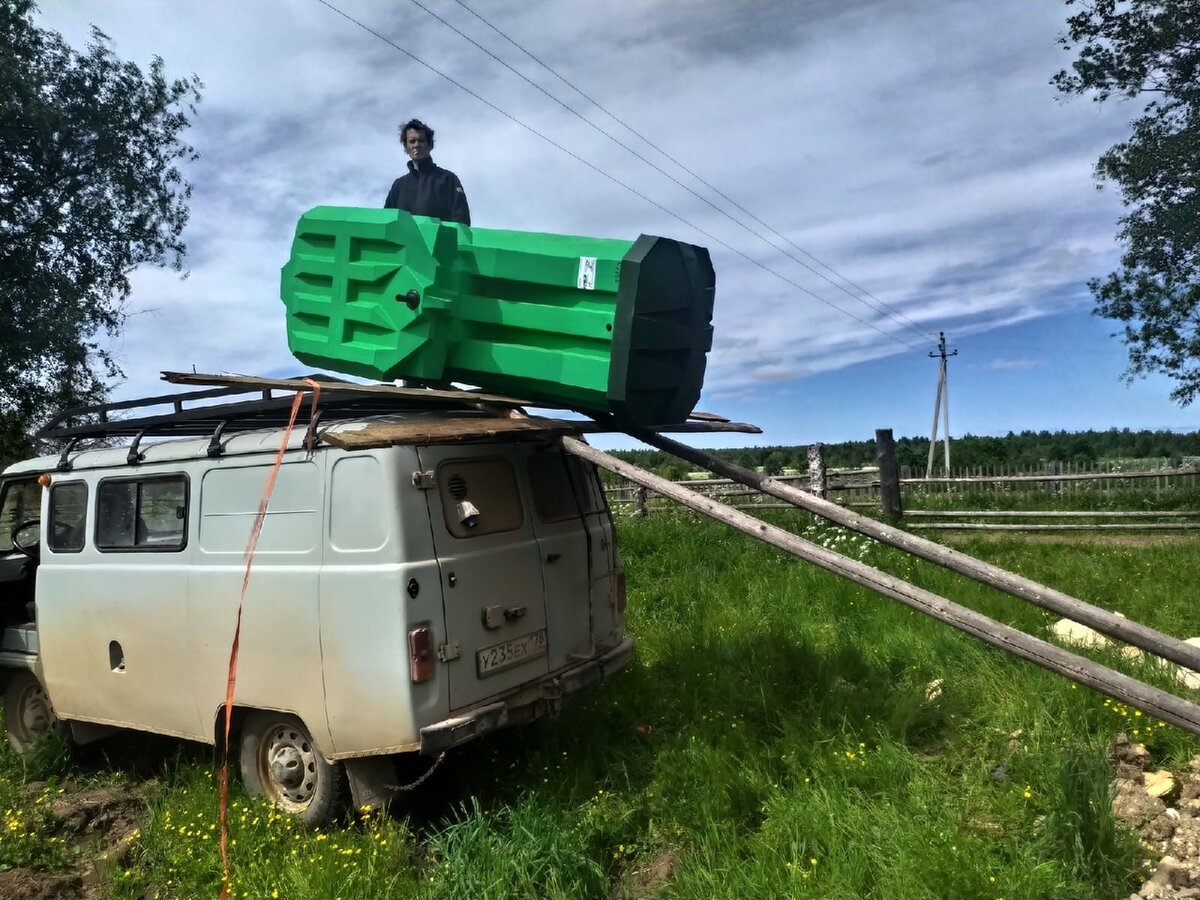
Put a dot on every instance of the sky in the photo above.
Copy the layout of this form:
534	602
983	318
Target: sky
916	169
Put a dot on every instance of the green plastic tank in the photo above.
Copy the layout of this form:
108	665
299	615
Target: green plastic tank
598	325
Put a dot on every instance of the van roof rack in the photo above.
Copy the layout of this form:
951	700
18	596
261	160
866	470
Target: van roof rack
236	406
201	413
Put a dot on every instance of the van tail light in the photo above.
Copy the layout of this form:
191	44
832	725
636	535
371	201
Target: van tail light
420	655
619	588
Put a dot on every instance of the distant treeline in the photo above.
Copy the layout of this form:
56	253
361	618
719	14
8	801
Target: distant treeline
1027	448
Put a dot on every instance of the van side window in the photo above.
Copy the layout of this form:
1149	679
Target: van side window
68	515
142	513
22	500
562	486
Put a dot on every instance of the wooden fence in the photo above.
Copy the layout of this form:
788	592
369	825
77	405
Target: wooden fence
923	502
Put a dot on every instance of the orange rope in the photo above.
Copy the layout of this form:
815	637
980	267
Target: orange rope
231	680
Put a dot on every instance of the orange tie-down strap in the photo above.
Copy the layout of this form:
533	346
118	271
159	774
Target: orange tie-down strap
231	680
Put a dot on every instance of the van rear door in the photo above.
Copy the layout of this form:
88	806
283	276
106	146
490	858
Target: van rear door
573	550
491	573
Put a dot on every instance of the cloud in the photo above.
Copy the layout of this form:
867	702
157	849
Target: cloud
1002	364
916	148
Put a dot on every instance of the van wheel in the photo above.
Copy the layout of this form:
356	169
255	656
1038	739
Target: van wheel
28	713
280	762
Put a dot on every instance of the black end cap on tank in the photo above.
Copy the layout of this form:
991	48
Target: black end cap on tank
662	332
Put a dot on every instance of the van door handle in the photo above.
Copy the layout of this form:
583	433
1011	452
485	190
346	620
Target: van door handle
551	557
515	612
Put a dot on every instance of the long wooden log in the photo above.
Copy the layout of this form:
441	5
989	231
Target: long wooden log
1026	589
996	526
1084	476
1151	700
1049	514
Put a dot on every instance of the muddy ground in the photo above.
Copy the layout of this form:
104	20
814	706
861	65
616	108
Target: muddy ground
102	823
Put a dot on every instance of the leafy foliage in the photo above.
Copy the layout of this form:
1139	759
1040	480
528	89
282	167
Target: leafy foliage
1127	49
90	148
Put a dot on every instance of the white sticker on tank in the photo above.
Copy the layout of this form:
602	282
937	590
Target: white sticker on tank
587	273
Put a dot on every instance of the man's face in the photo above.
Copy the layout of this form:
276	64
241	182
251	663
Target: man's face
416	145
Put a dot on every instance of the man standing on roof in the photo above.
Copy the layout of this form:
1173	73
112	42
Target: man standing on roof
427	189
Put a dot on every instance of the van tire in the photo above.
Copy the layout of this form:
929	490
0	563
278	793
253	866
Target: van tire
29	716
279	760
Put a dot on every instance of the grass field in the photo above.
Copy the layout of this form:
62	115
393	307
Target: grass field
775	737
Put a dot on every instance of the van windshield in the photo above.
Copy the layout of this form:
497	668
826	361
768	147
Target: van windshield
19	500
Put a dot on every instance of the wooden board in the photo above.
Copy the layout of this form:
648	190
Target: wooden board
472	428
447	430
431	395
251	382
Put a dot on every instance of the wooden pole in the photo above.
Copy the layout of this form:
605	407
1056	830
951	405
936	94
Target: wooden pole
639	501
818	479
1164	706
946	413
889	475
937	402
1018	586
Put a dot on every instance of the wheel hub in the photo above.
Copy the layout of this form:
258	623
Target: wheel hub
287	767
35	712
289	762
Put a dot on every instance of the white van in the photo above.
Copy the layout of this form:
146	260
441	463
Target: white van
403	599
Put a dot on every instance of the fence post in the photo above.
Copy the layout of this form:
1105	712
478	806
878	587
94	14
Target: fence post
818	478
639	501
889	475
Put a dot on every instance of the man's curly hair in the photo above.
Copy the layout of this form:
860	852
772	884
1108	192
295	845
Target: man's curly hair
419	126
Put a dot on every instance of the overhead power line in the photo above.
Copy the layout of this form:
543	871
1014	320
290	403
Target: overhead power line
880	306
612	178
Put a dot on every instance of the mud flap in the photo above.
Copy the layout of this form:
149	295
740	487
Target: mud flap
372	780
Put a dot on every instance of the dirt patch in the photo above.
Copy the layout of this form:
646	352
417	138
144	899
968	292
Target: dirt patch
103	823
646	881
30	885
109	813
1164	809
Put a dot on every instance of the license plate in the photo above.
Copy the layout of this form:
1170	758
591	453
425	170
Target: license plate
510	653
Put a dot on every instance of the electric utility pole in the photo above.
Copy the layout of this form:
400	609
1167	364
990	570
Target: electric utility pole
942	399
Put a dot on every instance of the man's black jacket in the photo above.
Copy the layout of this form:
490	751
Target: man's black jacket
430	190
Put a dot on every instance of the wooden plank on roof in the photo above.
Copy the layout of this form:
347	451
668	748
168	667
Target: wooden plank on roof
440	395
470	428
448	430
252	382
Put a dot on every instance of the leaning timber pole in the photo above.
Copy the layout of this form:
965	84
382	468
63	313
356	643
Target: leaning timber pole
1016	585
1151	700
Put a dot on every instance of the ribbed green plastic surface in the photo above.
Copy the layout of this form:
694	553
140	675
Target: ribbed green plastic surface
599	325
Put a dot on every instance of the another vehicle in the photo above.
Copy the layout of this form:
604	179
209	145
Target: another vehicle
402	599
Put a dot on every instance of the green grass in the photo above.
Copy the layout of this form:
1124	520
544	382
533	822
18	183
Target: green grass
773	737
28	833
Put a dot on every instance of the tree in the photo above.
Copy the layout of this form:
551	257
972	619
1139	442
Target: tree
1130	48
91	189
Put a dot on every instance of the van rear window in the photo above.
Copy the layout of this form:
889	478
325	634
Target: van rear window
563	486
142	513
